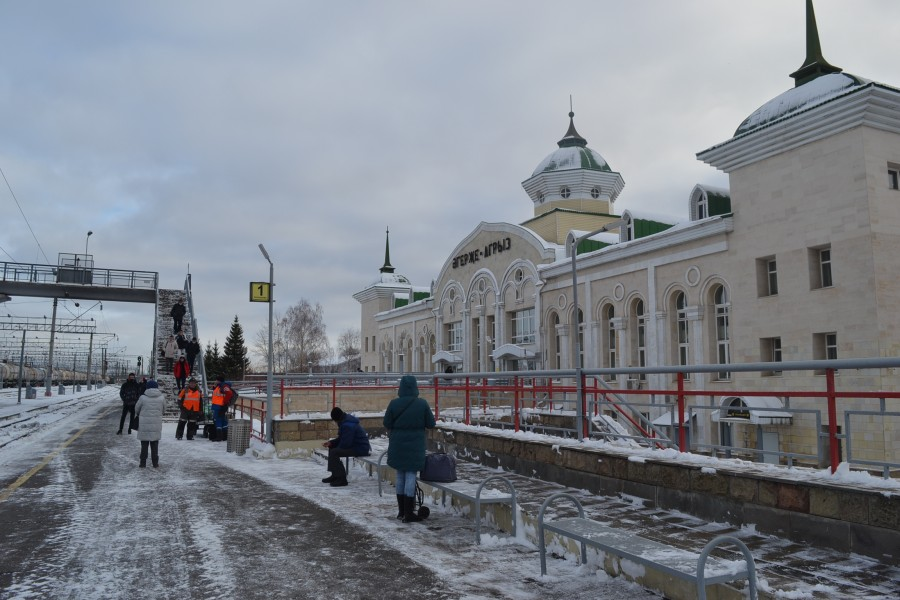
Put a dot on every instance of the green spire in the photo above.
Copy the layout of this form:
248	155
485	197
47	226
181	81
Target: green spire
387	268
815	64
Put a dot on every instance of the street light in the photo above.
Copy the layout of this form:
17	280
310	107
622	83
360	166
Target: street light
579	424
84	262
269	407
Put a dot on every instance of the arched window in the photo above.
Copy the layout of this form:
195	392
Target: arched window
557	357
723	329
639	339
608	315
580	333
682	332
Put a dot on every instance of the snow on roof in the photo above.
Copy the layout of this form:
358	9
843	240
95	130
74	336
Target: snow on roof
646	215
811	94
572	157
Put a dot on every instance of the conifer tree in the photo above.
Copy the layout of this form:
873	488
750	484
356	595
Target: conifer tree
235	362
212	360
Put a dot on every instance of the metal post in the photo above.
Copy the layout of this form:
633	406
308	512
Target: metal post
269	407
21	366
90	352
579	417
49	380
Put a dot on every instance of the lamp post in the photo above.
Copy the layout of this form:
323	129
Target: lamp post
579	420
84	265
269	406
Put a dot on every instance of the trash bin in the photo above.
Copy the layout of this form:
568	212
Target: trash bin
238	436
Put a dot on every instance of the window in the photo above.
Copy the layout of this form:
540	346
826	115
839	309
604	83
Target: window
454	337
723	329
595	192
565	192
893	176
523	329
702	207
824	347
609	314
541	197
580	334
639	327
820	275
766	276
557	361
682	330
770	351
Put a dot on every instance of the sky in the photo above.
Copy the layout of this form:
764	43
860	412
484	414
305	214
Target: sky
184	134
501	566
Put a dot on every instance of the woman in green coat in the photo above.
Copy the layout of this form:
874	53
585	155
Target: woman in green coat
406	419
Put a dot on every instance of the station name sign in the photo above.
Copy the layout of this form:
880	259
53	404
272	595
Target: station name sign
473	256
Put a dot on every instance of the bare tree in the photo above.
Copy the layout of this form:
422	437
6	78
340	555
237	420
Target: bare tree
306	340
279	345
348	343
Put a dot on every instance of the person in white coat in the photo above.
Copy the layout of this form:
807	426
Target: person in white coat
149	412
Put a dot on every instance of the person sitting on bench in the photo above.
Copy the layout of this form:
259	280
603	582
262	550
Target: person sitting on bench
352	440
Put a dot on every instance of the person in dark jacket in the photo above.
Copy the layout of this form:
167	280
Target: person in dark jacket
406	419
129	393
177	313
352	440
191	351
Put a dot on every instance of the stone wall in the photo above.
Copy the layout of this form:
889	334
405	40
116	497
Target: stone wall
834	516
840	517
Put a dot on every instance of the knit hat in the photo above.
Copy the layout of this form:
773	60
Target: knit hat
151	383
337	414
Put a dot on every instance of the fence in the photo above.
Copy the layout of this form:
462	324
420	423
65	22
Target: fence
811	427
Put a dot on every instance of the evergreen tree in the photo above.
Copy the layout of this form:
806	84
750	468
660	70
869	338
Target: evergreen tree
235	362
212	361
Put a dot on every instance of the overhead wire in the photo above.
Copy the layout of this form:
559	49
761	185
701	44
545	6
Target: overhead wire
19	206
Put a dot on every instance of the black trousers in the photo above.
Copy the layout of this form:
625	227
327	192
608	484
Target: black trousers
154	452
335	464
127	409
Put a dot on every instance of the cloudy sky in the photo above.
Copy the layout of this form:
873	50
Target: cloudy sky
183	134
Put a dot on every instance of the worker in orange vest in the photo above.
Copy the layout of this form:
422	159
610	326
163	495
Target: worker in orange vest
189	399
222	397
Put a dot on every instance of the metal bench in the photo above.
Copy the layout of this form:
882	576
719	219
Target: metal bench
671	561
376	465
474	493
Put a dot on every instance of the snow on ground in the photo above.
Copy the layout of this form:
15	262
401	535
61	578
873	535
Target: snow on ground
500	567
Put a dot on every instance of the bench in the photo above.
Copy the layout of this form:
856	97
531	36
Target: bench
475	494
670	561
470	492
372	464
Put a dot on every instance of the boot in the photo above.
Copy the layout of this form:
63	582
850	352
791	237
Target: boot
329	479
409	514
339	482
401	502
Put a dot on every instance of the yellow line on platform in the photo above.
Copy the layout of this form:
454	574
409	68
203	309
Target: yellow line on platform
21	480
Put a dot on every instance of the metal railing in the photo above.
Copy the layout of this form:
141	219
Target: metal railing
116	278
597	410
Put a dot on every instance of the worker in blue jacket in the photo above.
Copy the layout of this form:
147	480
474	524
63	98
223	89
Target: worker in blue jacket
352	440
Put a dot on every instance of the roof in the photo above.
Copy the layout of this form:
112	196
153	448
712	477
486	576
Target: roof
572	153
801	98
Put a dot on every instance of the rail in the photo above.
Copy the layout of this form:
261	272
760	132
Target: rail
841	423
52	274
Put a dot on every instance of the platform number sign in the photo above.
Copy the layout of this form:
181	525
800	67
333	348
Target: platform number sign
260	291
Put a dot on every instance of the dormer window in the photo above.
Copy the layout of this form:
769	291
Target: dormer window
565	192
595	193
